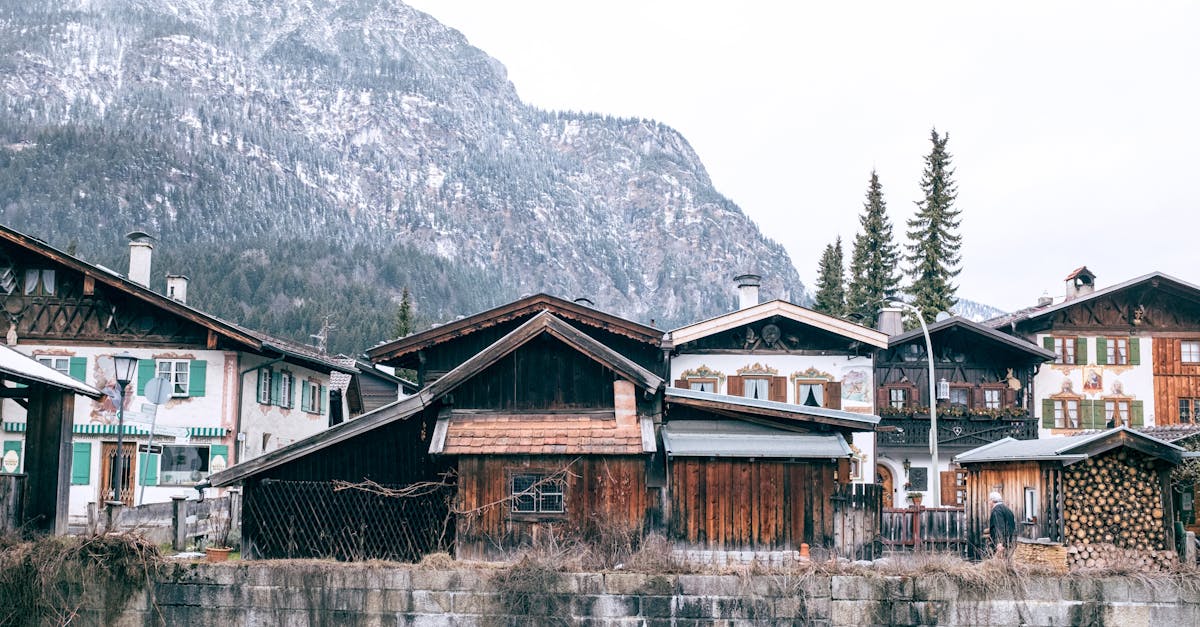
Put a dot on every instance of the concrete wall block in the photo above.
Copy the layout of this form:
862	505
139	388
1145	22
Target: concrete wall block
710	585
624	583
935	589
394	579
1040	589
847	588
746	607
693	607
1174	614
609	605
920	612
432	602
854	612
656	606
584	583
475	603
422	579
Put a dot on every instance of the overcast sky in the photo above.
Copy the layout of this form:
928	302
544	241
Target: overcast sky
1075	128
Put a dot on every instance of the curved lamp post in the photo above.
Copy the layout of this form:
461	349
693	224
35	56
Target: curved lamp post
124	366
935	484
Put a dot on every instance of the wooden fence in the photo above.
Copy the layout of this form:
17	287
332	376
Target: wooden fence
857	520
925	529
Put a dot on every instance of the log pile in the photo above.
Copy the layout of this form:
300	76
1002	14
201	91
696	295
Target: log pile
1113	513
1050	556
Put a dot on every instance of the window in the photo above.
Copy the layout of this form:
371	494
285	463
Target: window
703	385
182	465
1066	413
285	388
312	397
175	371
897	398
960	396
810	393
991	398
264	386
61	364
1188	407
1030	505
1064	350
536	494
1190	350
757	387
39	282
1116	413
1118	351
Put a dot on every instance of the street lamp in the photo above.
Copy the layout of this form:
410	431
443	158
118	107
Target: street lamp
124	366
935	487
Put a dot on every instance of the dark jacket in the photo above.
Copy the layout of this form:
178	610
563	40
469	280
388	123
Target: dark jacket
1002	525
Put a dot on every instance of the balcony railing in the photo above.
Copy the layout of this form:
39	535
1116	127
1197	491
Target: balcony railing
954	432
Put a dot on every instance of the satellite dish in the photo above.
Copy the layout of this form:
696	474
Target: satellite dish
941	315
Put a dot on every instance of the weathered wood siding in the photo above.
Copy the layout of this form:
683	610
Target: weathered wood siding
1173	379
1010	480
742	504
602	494
543	374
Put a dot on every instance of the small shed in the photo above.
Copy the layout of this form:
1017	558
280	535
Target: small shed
1106	495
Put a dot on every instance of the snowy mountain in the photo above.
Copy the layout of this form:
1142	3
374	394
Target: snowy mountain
976	311
310	158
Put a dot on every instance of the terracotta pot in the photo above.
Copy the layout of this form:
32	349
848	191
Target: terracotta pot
217	555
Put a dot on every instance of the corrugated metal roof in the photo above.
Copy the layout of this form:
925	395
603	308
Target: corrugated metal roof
866	419
24	369
731	438
1057	447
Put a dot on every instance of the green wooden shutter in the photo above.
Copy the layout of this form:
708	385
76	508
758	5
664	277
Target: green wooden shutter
304	404
1096	418
15	446
276	378
1135	352
1135	408
146	371
291	401
148	462
81	463
78	368
258	385
1085	414
321	394
1081	356
1048	413
197	377
1101	351
1048	342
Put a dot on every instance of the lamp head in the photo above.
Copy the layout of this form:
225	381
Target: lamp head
124	367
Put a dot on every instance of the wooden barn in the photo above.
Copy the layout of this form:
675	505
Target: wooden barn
1105	495
546	417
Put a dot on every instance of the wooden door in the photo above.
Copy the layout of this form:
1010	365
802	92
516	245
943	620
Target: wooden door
885	480
108	454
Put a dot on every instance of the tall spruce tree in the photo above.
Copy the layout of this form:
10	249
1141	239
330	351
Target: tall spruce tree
831	291
404	323
933	239
874	259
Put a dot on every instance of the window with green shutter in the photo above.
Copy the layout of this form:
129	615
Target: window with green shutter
321	395
1136	410
148	464
276	382
264	386
78	368
305	396
1048	342
1081	353
1135	352
13	446
1102	351
147	369
1048	412
81	463
197	378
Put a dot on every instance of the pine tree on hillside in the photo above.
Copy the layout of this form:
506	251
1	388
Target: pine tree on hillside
933	239
404	324
874	258
831	291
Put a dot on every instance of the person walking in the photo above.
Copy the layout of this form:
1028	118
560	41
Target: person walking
1002	525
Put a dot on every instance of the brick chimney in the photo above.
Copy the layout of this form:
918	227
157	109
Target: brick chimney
1081	282
140	251
747	285
177	285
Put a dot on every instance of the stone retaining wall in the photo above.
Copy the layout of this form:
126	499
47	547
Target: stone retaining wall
314	593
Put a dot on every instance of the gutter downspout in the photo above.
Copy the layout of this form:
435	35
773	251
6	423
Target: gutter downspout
238	439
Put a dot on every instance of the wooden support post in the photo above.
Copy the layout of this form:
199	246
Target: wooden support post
112	515
12	492
178	522
51	416
1189	549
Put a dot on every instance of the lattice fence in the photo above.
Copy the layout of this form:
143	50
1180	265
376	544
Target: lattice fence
310	519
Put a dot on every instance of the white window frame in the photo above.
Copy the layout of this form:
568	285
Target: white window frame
52	361
1189	351
540	495
286	383
897	398
314	397
1031	505
1117	357
751	384
1066	413
264	386
1120	410
992	398
802	386
173	373
1064	350
964	392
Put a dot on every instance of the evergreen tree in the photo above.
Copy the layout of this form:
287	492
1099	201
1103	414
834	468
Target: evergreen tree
874	258
933	239
404	323
831	291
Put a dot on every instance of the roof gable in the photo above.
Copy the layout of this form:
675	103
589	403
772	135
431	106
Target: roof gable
783	309
1071	448
529	306
1156	280
983	332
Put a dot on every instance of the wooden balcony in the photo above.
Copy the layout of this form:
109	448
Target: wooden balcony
955	433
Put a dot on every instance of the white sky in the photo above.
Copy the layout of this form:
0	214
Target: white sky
1075	128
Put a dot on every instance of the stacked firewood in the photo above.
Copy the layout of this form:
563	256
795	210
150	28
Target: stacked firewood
1050	556
1113	513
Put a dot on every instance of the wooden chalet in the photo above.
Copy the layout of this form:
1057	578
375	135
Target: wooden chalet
1110	489
1127	354
989	376
554	418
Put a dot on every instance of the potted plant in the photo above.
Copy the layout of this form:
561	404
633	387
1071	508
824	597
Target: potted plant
219	549
915	498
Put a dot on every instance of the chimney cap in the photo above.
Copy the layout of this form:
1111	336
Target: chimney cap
748	279
139	236
1086	276
178	276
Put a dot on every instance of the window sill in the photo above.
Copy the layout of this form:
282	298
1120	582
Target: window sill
538	516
